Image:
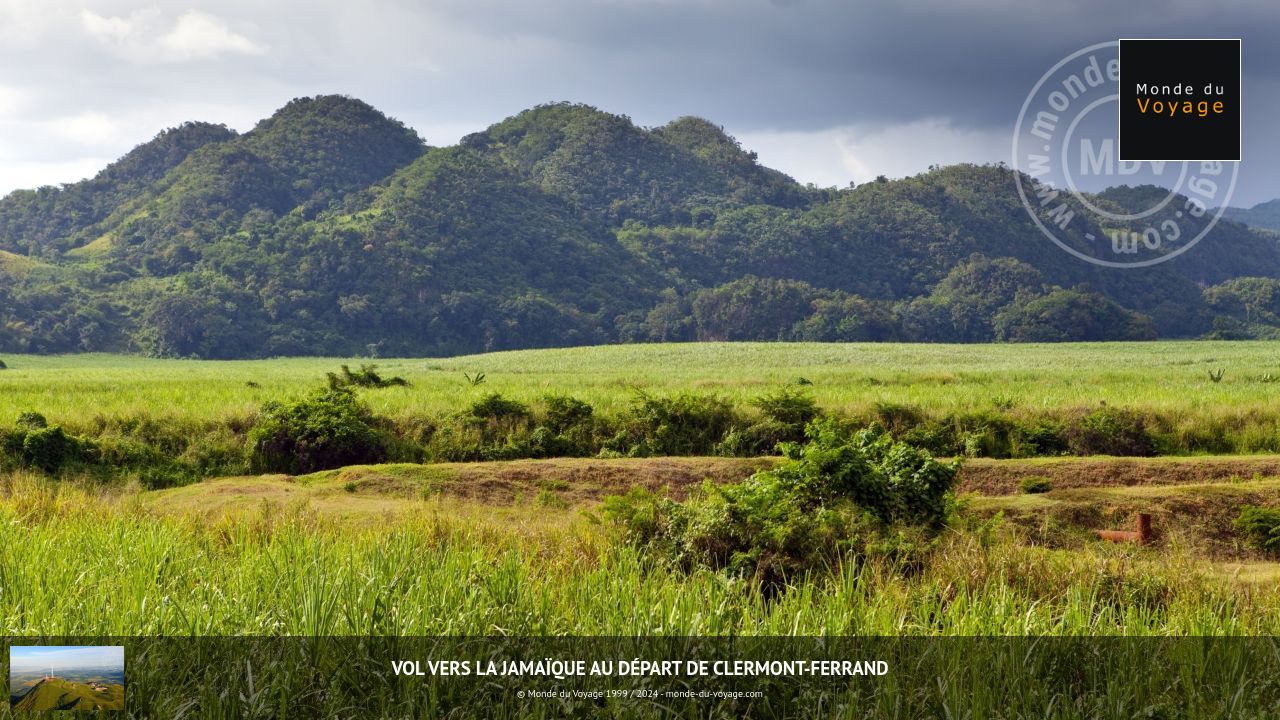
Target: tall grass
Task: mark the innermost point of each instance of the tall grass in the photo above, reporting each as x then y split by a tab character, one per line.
77	562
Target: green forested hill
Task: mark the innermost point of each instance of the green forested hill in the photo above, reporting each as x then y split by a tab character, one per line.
332	229
1264	215
53	694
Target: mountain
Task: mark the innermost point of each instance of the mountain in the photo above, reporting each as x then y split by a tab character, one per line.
330	228
1263	215
59	694
31	220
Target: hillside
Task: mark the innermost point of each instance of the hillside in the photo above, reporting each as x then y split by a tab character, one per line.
331	229
1264	215
59	694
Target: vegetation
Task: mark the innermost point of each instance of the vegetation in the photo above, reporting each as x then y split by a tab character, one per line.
330	229
166	422
837	496
57	694
1261	527
1263	215
324	430
1035	484
158	567
366	377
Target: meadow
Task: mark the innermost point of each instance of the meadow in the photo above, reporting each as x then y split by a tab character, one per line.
1168	377
369	550
522	548
77	561
281	610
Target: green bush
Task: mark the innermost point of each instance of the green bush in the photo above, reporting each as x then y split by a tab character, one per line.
684	424
50	448
328	429
788	406
1109	431
565	413
1035	484
1042	436
838	493
898	417
1260	527
785	415
32	420
761	438
495	407
366	377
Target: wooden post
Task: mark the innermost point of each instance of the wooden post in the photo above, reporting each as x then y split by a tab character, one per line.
1144	528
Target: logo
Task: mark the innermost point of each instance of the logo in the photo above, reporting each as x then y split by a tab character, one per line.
1101	209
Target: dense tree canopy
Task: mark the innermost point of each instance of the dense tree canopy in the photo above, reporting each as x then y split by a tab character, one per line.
332	229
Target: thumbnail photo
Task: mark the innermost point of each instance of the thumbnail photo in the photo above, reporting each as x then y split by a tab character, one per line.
66	677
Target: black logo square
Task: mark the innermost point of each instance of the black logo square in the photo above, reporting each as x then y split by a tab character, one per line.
1179	100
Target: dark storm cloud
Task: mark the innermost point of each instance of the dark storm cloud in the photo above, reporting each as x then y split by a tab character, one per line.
810	65
83	81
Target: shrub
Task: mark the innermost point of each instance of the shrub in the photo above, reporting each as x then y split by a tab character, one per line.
495	407
684	424
1043	436
565	413
49	448
840	492
898	417
1109	431
1260	527
328	429
788	406
3	366
32	420
366	377
549	499
760	438
1035	484
785	415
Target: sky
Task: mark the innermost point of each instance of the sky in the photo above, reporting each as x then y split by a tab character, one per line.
64	657
829	91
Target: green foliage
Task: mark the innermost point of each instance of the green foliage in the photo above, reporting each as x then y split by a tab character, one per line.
565	413
324	430
366	377
1263	215
495	407
31	420
683	424
1261	527
1109	431
784	415
838	493
329	229
51	448
32	220
1071	316
788	406
1035	484
1251	305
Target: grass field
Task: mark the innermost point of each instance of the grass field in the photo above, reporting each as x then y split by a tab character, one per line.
520	548
1171	377
376	560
